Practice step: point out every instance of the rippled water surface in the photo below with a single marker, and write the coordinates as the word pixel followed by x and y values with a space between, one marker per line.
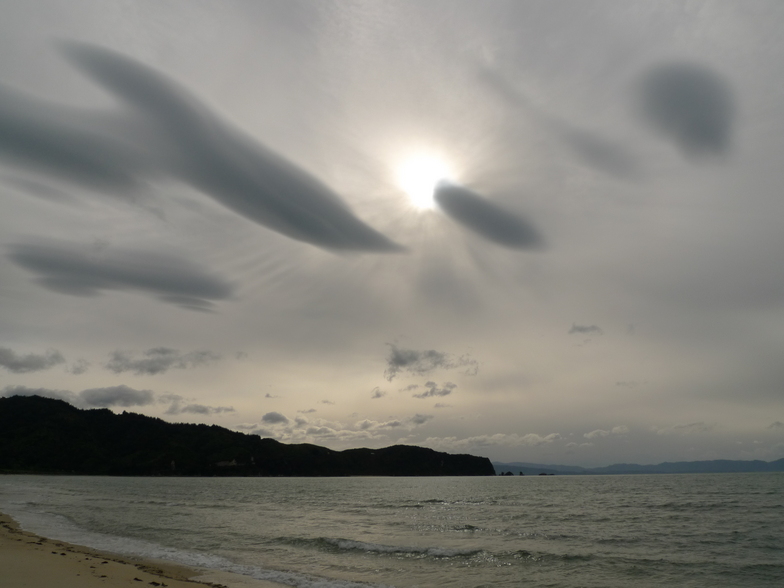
pixel 559 531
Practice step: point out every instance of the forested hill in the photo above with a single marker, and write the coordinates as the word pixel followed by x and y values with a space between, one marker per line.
pixel 42 435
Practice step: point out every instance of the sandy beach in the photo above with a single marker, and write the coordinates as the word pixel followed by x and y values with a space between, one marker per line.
pixel 30 561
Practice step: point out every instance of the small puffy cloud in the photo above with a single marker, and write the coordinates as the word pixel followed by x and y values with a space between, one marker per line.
pixel 325 401
pixel 117 396
pixel 432 389
pixel 599 433
pixel 301 421
pixel 32 362
pixel 378 393
pixel 157 360
pixel 420 419
pixel 585 330
pixel 441 405
pixel 274 418
pixel 307 411
pixel 421 362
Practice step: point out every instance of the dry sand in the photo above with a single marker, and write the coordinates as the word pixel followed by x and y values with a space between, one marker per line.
pixel 30 561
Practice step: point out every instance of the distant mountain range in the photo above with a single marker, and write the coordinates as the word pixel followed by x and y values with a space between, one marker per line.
pixel 715 466
pixel 46 436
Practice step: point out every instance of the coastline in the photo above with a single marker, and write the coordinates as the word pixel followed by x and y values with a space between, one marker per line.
pixel 31 561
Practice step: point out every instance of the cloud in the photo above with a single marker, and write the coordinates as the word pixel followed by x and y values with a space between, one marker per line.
pixel 66 395
pixel 583 329
pixel 689 103
pixel 90 398
pixel 117 396
pixel 79 367
pixel 308 411
pixel 434 390
pixel 86 271
pixel 485 218
pixel 237 172
pixel 441 405
pixel 325 401
pixel 421 362
pixel 177 405
pixel 496 440
pixel 776 425
pixel 157 360
pixel 20 364
pixel 378 393
pixel 599 433
pixel 420 419
pixel 591 148
pixel 51 139
pixel 685 429
pixel 274 418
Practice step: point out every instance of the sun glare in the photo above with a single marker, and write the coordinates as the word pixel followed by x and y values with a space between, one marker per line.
pixel 418 176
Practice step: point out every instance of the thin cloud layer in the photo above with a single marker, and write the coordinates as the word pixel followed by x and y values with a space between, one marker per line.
pixel 585 330
pixel 80 271
pixel 485 218
pixel 157 360
pixel 689 103
pixel 241 174
pixel 32 362
pixel 421 362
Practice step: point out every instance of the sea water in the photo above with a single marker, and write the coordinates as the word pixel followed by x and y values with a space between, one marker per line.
pixel 556 531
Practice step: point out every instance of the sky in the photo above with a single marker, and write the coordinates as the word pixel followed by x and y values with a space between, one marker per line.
pixel 535 231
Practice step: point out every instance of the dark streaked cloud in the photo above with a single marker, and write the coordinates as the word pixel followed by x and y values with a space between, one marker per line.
pixel 117 396
pixel 157 360
pixel 585 330
pixel 593 149
pixel 432 389
pixel 91 398
pixel 378 393
pixel 86 271
pixel 274 418
pixel 51 139
pixel 31 362
pixel 486 218
pixel 689 103
pixel 241 174
pixel 421 362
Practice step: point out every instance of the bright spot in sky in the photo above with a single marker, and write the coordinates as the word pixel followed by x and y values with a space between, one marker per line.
pixel 418 176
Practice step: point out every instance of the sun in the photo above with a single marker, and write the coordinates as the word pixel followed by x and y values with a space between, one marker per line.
pixel 418 175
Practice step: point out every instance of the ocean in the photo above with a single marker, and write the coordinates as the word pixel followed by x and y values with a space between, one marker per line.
pixel 701 530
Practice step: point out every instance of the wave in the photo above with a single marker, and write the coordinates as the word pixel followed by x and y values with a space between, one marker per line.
pixel 340 544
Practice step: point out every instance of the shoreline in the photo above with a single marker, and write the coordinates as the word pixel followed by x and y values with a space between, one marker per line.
pixel 28 560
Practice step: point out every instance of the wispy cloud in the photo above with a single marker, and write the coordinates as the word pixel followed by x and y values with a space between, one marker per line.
pixel 421 362
pixel 599 433
pixel 585 330
pixel 432 389
pixel 157 360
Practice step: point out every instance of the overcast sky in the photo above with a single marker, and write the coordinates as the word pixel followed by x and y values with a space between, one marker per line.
pixel 530 230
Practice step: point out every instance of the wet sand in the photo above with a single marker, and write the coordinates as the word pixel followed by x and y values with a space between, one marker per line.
pixel 30 561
